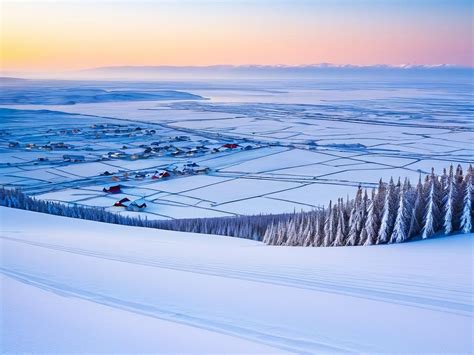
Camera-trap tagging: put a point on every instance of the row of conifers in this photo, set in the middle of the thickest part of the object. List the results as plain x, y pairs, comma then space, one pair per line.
394, 213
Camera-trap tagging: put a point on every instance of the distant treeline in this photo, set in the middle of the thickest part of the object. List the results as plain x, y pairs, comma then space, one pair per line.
249, 227
394, 213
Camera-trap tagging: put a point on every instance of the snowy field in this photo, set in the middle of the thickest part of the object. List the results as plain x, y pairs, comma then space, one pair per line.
109, 288
298, 144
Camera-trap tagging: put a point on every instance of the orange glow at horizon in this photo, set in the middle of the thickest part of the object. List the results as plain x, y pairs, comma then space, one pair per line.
52, 36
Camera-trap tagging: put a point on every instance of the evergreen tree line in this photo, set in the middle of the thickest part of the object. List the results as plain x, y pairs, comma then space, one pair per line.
249, 227
393, 213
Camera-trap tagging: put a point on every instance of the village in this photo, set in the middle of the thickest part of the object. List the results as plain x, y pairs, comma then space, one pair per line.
120, 158
197, 159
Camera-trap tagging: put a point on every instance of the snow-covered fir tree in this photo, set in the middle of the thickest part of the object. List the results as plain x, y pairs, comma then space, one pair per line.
341, 230
417, 211
432, 215
402, 220
389, 214
357, 218
449, 202
467, 214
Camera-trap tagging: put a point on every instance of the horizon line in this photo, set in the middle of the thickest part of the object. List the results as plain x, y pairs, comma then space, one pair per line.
323, 65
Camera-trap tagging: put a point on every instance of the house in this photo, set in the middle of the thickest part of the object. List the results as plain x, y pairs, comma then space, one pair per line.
177, 152
122, 203
201, 170
115, 189
74, 158
230, 145
180, 170
116, 155
161, 175
137, 205
202, 148
181, 138
59, 145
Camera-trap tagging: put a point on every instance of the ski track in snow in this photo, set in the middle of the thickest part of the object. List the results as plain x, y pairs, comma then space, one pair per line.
238, 287
302, 346
377, 287
259, 333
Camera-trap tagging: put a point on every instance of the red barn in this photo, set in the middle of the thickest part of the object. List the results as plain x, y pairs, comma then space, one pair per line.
112, 189
122, 202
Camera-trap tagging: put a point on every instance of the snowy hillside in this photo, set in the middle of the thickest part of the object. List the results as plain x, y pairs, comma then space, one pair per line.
108, 288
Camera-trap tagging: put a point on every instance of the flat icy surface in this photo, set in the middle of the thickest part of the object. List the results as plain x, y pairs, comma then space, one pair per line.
308, 141
77, 286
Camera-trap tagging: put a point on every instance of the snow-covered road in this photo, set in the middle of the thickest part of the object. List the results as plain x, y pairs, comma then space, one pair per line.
216, 294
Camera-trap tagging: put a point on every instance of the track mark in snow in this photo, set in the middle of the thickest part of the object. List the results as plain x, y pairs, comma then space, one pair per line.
409, 294
301, 346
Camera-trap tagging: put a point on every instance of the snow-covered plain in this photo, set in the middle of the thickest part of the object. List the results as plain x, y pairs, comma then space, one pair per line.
79, 286
310, 141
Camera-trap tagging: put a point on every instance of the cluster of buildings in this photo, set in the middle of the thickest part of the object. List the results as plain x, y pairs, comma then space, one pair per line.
135, 205
119, 130
190, 168
48, 146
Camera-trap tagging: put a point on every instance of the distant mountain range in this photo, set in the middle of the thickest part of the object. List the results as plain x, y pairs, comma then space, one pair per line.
268, 71
6, 79
323, 70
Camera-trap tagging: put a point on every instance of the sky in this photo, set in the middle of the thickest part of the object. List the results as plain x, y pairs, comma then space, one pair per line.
70, 34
